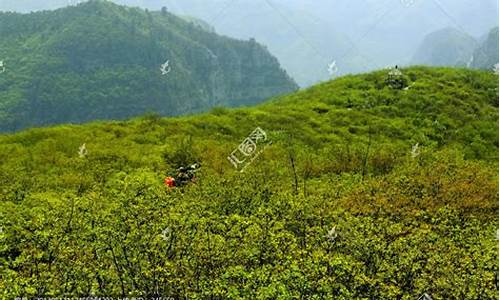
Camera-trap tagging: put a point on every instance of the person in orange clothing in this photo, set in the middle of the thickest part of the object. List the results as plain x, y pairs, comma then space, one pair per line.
184, 176
170, 181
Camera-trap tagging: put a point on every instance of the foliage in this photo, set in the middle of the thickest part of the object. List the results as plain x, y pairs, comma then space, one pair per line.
340, 158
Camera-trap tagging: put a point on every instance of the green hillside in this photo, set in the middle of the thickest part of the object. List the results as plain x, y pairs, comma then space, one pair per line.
99, 60
338, 206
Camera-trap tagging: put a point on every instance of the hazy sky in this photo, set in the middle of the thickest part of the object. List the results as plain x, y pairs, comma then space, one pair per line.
350, 16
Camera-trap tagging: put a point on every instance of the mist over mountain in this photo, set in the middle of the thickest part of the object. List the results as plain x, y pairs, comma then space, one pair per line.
304, 44
359, 36
103, 61
307, 36
486, 55
453, 47
446, 47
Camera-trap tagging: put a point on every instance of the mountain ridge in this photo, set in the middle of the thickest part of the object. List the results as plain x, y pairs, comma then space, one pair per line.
106, 63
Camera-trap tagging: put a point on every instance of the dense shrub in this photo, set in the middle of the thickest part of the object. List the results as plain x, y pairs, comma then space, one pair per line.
322, 213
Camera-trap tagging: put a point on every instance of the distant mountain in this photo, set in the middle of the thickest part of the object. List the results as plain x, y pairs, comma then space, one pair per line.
445, 47
306, 36
486, 55
99, 60
359, 35
304, 45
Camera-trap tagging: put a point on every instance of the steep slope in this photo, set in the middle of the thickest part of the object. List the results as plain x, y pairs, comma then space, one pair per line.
359, 35
99, 60
445, 47
339, 206
310, 43
486, 55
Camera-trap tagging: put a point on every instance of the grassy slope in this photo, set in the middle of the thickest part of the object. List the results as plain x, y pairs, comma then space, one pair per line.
405, 226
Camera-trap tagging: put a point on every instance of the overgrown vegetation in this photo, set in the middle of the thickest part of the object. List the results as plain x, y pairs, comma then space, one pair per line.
338, 207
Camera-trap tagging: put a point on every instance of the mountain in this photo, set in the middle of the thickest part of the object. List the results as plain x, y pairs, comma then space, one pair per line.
486, 55
99, 60
445, 47
304, 45
355, 190
358, 35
